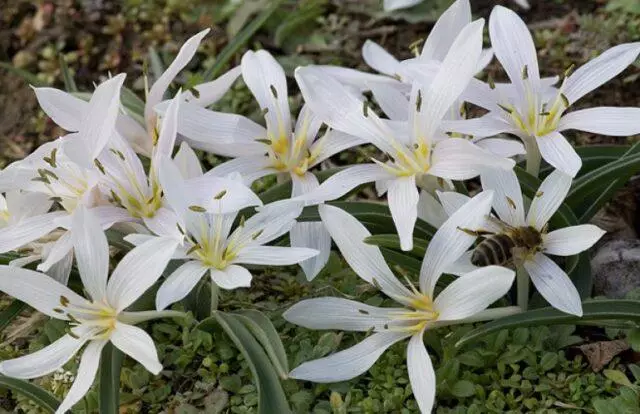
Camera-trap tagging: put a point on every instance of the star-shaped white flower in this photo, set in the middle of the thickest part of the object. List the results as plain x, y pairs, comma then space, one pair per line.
418, 150
464, 300
534, 111
95, 320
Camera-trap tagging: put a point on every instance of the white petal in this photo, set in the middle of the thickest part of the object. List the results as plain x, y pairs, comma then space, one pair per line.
444, 32
554, 284
338, 313
449, 242
600, 70
548, 199
366, 260
461, 266
341, 109
232, 277
501, 147
274, 255
135, 134
349, 363
357, 80
430, 210
507, 200
250, 168
44, 361
204, 128
313, 236
63, 108
513, 46
136, 343
403, 203
379, 59
187, 51
392, 100
146, 262
571, 240
168, 129
390, 5
452, 201
603, 120
179, 283
98, 123
37, 290
57, 251
473, 292
453, 76
346, 180
331, 143
266, 79
486, 126
559, 153
92, 253
421, 373
87, 371
164, 223
61, 270
211, 92
459, 159
485, 58
28, 230
187, 162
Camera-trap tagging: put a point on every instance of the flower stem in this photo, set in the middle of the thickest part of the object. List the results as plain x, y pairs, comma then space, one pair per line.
139, 317
215, 297
533, 156
522, 282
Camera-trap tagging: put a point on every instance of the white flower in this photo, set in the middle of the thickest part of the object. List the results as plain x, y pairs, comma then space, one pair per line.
69, 111
276, 149
94, 321
549, 279
418, 149
464, 300
533, 111
201, 219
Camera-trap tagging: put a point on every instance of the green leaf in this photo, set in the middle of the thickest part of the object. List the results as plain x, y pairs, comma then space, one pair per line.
110, 365
599, 185
392, 241
240, 40
618, 377
271, 394
133, 103
263, 330
593, 156
463, 389
44, 399
593, 310
67, 77
29, 77
282, 191
155, 63
10, 313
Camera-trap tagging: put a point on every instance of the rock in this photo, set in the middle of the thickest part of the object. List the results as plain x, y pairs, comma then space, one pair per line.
616, 268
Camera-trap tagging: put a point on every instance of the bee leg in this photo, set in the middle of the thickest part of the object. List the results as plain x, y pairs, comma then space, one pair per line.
470, 232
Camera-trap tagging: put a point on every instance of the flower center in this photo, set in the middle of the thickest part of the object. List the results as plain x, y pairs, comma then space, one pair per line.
407, 162
99, 317
292, 158
415, 318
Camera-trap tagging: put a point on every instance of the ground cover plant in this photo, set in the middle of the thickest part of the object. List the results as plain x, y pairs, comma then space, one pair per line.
150, 245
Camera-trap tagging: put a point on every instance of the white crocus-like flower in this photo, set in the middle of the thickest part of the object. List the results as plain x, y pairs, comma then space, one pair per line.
93, 321
549, 279
276, 149
418, 151
464, 300
202, 218
535, 112
68, 111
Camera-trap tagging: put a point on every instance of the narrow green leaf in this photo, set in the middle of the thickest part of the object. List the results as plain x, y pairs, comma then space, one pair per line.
593, 156
263, 330
41, 397
10, 313
599, 180
240, 40
155, 62
282, 191
270, 393
67, 77
110, 365
29, 77
392, 241
604, 193
406, 262
133, 103
593, 310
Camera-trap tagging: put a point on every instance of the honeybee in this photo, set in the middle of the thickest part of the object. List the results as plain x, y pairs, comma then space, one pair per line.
501, 248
